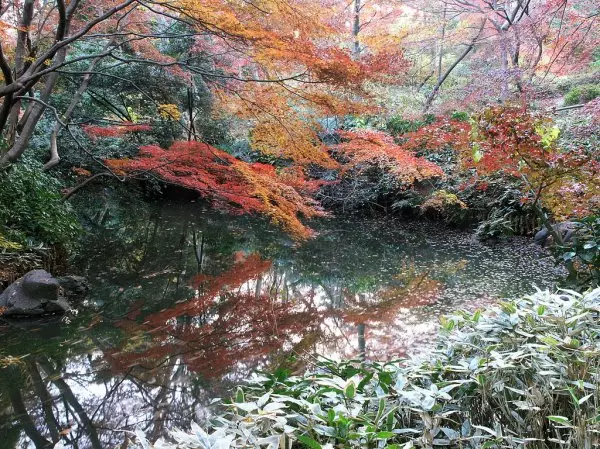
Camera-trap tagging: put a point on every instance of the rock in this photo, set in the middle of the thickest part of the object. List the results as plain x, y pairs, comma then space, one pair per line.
75, 288
567, 231
35, 294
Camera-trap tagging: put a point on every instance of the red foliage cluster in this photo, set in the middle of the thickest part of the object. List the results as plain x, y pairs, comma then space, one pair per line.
593, 110
443, 132
363, 148
229, 183
515, 142
384, 64
114, 131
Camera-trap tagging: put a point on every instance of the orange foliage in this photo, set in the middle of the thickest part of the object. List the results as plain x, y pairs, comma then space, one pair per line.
438, 135
229, 183
363, 147
297, 44
79, 171
513, 141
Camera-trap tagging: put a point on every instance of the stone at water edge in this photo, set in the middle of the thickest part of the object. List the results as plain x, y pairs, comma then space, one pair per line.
35, 294
75, 288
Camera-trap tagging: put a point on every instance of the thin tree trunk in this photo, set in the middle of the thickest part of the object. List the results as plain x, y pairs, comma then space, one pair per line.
71, 399
45, 400
356, 29
441, 44
21, 51
449, 70
28, 425
362, 342
85, 82
8, 79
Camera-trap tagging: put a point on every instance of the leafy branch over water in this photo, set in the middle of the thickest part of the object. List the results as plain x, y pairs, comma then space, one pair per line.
521, 374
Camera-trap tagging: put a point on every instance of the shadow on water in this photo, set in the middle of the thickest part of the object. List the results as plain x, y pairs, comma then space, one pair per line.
185, 303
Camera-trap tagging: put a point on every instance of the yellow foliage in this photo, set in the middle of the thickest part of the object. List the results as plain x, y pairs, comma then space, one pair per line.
7, 244
292, 140
442, 200
282, 203
169, 111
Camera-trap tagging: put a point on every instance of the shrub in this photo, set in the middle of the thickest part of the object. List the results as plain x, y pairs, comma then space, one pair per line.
442, 204
32, 210
584, 252
397, 125
460, 116
521, 374
582, 94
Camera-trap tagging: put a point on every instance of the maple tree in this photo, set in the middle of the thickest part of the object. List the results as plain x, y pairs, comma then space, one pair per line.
228, 182
273, 71
363, 148
519, 143
286, 51
522, 146
501, 48
114, 131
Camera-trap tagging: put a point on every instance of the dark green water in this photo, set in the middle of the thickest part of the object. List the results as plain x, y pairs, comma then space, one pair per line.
185, 303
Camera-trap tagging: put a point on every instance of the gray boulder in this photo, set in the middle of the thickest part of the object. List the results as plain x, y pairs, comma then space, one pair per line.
567, 230
74, 288
35, 294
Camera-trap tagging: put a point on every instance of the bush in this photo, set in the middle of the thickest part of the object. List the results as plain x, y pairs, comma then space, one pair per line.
584, 252
397, 125
32, 210
582, 94
460, 116
521, 374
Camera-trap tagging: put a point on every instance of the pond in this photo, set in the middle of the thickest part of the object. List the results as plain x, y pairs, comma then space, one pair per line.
185, 302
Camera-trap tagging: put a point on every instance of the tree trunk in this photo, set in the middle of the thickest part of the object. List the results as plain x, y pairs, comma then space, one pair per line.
22, 49
441, 44
34, 113
448, 71
85, 82
356, 30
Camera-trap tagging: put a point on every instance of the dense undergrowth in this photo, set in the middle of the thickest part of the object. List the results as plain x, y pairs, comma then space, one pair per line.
522, 374
37, 226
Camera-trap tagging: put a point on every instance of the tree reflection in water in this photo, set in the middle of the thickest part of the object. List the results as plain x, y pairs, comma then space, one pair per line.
185, 304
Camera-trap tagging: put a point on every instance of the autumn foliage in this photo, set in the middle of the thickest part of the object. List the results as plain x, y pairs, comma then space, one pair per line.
119, 130
444, 132
363, 148
229, 183
518, 143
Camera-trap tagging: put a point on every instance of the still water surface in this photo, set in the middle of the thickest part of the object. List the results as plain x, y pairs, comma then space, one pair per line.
185, 303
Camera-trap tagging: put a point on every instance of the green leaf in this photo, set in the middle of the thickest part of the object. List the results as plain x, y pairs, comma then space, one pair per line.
477, 154
559, 419
350, 389
384, 435
308, 441
331, 415
239, 395
380, 410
